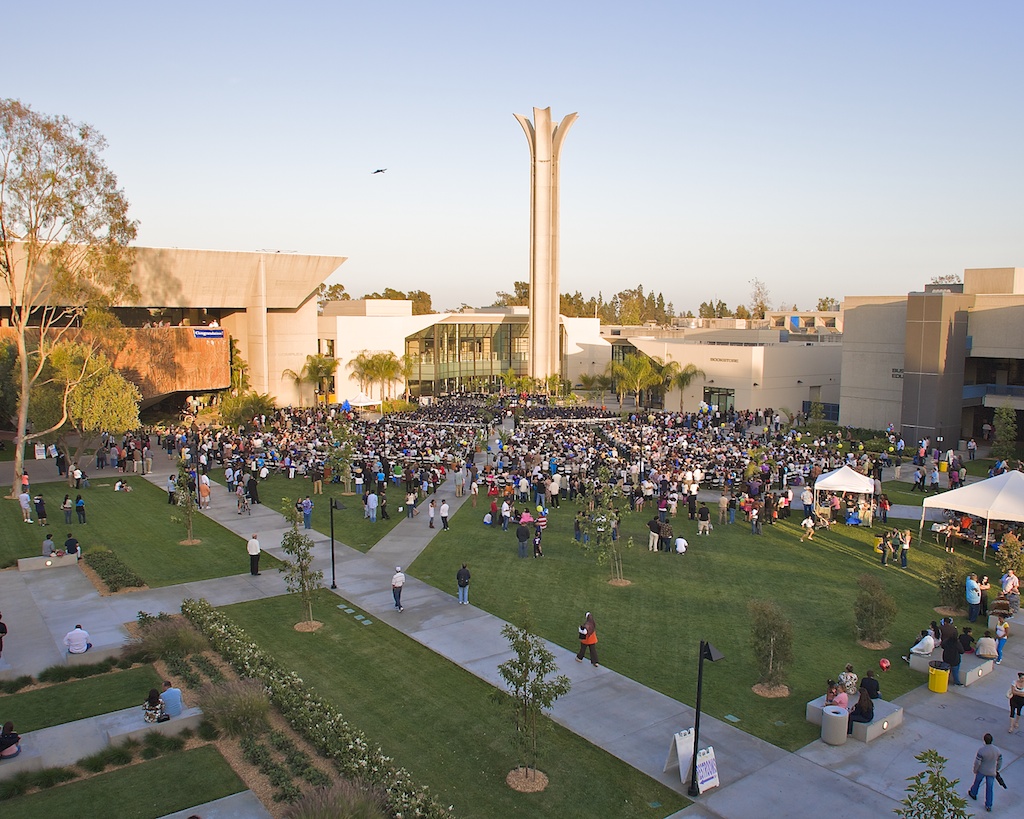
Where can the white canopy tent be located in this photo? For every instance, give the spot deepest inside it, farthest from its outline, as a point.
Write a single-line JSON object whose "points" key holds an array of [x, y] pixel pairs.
{"points": [[361, 399], [844, 479], [998, 498]]}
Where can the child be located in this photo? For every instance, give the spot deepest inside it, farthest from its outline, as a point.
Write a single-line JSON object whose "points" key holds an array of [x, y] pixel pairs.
{"points": [[808, 524]]}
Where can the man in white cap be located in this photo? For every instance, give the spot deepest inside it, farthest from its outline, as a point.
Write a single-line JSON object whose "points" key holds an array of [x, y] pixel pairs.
{"points": [[397, 581]]}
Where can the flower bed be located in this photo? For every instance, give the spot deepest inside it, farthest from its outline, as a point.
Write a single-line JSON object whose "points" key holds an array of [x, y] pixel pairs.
{"points": [[314, 718]]}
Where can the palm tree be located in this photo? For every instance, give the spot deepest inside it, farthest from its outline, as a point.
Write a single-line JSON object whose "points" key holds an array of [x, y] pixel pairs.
{"points": [[604, 383], [408, 365], [361, 367], [637, 372], [388, 370], [588, 382], [301, 377], [684, 377], [319, 369]]}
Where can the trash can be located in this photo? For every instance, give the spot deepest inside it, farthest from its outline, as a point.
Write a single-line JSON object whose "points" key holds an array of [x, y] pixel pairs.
{"points": [[834, 724], [938, 676], [943, 466]]}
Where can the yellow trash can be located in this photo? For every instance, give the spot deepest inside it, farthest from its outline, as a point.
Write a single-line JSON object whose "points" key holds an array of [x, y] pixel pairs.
{"points": [[938, 677], [943, 466]]}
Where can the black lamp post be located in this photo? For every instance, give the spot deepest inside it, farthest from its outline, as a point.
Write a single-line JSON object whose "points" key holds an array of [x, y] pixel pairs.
{"points": [[709, 652], [335, 504]]}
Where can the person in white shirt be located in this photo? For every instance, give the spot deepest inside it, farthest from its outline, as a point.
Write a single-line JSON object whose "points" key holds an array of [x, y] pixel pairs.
{"points": [[924, 646], [77, 640], [253, 548], [397, 582]]}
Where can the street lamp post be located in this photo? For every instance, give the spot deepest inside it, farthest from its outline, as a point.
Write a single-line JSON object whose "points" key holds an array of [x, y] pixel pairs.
{"points": [[709, 652], [335, 504]]}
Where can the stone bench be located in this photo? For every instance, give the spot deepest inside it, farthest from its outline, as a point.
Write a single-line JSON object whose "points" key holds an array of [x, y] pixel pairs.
{"points": [[887, 717], [27, 760], [919, 662], [96, 654], [35, 564], [813, 712], [973, 668], [122, 726]]}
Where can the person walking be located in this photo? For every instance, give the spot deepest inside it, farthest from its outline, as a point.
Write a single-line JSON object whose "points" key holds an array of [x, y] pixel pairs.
{"points": [[462, 580], [987, 764], [80, 508], [431, 511], [172, 490], [253, 548], [307, 513], [67, 506], [1015, 695], [588, 640], [1002, 635], [444, 514], [397, 583]]}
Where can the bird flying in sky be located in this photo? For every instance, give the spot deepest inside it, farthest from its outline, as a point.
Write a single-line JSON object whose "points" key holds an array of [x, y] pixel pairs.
{"points": [[379, 170]]}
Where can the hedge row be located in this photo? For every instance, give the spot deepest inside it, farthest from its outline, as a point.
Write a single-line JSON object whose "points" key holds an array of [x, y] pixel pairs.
{"points": [[112, 570], [314, 718]]}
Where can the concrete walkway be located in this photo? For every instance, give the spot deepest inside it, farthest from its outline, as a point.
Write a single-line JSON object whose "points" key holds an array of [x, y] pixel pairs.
{"points": [[612, 711]]}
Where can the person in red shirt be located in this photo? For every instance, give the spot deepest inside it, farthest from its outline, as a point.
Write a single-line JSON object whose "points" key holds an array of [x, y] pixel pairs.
{"points": [[588, 640]]}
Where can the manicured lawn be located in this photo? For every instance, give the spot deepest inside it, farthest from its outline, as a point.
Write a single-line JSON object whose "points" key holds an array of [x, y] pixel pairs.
{"points": [[439, 722], [350, 527], [152, 789], [650, 630], [136, 525], [78, 699]]}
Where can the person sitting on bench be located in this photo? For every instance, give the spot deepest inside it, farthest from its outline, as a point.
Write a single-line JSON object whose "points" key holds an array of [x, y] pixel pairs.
{"points": [[10, 742], [77, 640], [924, 646], [986, 647], [863, 711]]}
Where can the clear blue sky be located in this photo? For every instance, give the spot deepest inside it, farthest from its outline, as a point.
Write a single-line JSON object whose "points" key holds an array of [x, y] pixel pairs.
{"points": [[827, 148]]}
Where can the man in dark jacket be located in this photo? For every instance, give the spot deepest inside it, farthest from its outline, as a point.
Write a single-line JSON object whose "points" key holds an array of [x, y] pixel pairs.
{"points": [[523, 536], [462, 579], [951, 650]]}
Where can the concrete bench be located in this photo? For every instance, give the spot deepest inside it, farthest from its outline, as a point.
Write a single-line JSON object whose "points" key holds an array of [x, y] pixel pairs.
{"points": [[993, 621], [129, 724], [27, 760], [973, 668], [813, 712], [96, 654], [919, 662], [35, 564], [887, 717]]}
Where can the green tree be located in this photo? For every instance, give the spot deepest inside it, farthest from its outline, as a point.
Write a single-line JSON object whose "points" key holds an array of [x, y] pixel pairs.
{"points": [[82, 395], [771, 638], [299, 575], [236, 410], [64, 238], [185, 498], [930, 794], [742, 312], [1011, 554], [760, 299], [330, 292], [636, 372], [827, 304], [342, 452], [599, 527], [531, 689], [1004, 444], [239, 369], [716, 308], [951, 582], [684, 377], [519, 297], [874, 609], [816, 418]]}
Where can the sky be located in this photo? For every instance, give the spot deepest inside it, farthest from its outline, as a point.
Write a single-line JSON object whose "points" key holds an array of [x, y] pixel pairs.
{"points": [[825, 148]]}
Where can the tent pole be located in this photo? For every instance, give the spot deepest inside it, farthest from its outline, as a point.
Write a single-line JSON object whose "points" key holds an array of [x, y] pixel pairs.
{"points": [[920, 530], [984, 546]]}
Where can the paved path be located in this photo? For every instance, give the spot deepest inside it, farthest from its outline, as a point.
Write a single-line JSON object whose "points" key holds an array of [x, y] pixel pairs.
{"points": [[614, 712]]}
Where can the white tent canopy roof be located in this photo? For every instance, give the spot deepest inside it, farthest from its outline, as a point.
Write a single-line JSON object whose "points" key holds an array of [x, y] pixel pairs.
{"points": [[844, 479], [361, 399], [998, 498]]}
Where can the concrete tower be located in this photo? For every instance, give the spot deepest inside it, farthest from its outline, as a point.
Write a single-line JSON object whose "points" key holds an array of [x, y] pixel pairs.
{"points": [[545, 148]]}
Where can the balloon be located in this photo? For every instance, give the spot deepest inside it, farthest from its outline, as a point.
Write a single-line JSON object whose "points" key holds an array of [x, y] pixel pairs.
{"points": [[884, 664]]}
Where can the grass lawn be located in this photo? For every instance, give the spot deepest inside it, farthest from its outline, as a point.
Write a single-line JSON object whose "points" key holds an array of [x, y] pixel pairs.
{"points": [[146, 791], [650, 630], [137, 526], [439, 722], [350, 527], [78, 699]]}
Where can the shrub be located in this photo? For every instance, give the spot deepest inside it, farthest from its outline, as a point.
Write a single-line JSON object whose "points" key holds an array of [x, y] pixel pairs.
{"points": [[238, 707], [874, 609], [771, 636], [313, 717], [240, 409], [179, 667], [48, 777], [207, 667], [1010, 555], [112, 570], [26, 780], [15, 685], [951, 582], [931, 793], [63, 673], [208, 731], [162, 638], [343, 800], [99, 761]]}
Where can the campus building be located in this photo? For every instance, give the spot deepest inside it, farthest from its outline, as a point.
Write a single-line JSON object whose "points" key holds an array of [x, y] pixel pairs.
{"points": [[936, 363], [192, 303]]}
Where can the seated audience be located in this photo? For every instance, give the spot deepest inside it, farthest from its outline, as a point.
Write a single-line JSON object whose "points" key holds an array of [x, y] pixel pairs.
{"points": [[836, 696], [862, 711], [848, 680], [870, 684], [986, 647], [153, 707], [967, 641], [10, 742], [924, 646]]}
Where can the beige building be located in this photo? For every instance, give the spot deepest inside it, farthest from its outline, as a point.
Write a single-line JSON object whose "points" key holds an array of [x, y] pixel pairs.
{"points": [[937, 363]]}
